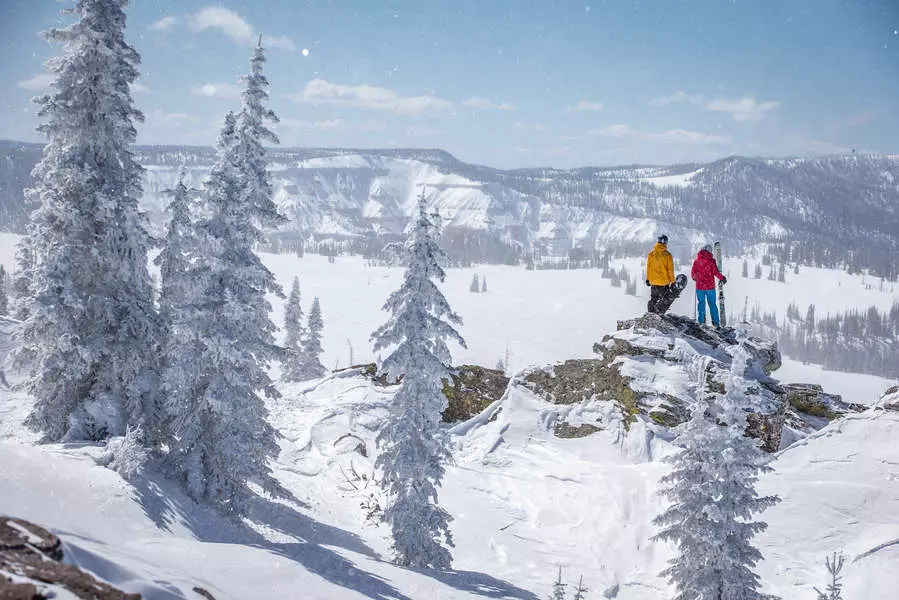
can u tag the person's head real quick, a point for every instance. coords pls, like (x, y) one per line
(707, 248)
(663, 239)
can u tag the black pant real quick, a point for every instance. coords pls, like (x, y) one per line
(658, 294)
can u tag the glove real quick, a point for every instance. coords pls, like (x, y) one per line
(647, 283)
(723, 280)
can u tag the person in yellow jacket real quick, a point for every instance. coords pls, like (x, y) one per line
(659, 273)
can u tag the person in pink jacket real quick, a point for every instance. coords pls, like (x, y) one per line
(704, 272)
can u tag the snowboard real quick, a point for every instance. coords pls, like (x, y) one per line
(721, 309)
(671, 294)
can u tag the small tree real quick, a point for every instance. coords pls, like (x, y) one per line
(781, 273)
(757, 274)
(4, 283)
(558, 588)
(310, 366)
(483, 285)
(475, 286)
(834, 589)
(294, 334)
(745, 272)
(712, 489)
(580, 593)
(413, 445)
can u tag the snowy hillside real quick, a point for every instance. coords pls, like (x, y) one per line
(524, 502)
(353, 195)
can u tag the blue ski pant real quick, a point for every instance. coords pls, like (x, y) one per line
(703, 296)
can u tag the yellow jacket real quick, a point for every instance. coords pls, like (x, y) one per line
(660, 266)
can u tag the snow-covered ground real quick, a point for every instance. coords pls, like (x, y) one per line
(523, 500)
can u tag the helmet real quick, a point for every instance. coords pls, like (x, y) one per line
(663, 239)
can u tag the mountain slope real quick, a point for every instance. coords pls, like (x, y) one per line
(840, 210)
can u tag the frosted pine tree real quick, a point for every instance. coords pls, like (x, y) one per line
(251, 133)
(221, 438)
(413, 447)
(4, 299)
(174, 258)
(91, 327)
(558, 588)
(21, 281)
(310, 365)
(294, 334)
(713, 499)
(475, 285)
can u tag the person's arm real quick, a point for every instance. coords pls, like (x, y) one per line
(718, 273)
(669, 267)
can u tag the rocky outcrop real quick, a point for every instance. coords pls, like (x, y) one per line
(31, 567)
(652, 368)
(891, 399)
(471, 390)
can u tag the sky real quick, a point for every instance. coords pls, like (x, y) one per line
(505, 83)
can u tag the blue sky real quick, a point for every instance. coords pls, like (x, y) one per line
(508, 83)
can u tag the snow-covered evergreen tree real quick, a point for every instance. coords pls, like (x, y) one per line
(713, 499)
(558, 588)
(580, 592)
(310, 365)
(221, 439)
(4, 284)
(834, 589)
(295, 333)
(475, 285)
(484, 284)
(21, 281)
(91, 327)
(174, 258)
(413, 446)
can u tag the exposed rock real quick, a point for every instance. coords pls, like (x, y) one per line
(891, 399)
(629, 360)
(472, 390)
(32, 553)
(568, 431)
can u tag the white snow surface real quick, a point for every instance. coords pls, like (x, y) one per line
(524, 502)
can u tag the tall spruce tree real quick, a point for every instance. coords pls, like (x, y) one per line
(413, 447)
(91, 327)
(295, 332)
(713, 499)
(221, 438)
(310, 366)
(174, 258)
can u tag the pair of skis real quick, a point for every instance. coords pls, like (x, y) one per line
(721, 311)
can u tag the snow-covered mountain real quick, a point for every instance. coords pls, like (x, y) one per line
(841, 210)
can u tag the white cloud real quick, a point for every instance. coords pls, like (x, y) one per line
(485, 104)
(282, 41)
(163, 24)
(586, 105)
(677, 136)
(236, 27)
(529, 126)
(677, 98)
(319, 91)
(743, 109)
(39, 83)
(139, 88)
(746, 108)
(216, 90)
(227, 21)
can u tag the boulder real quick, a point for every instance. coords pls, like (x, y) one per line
(34, 556)
(470, 390)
